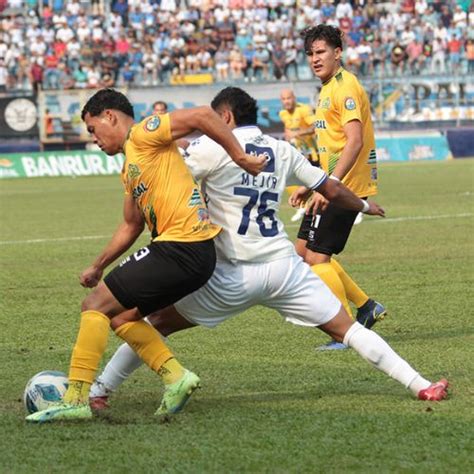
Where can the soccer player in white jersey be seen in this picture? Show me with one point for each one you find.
(257, 263)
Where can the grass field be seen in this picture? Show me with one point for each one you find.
(269, 402)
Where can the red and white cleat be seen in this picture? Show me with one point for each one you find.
(435, 392)
(99, 403)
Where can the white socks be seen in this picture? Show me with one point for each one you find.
(123, 363)
(375, 350)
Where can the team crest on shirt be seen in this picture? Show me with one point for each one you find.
(152, 123)
(133, 171)
(326, 103)
(349, 103)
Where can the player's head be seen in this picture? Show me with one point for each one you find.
(108, 115)
(323, 47)
(235, 105)
(160, 107)
(288, 99)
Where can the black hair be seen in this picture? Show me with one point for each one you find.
(107, 99)
(160, 102)
(332, 35)
(243, 106)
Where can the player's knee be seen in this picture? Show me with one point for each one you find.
(91, 302)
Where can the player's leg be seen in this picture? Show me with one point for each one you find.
(125, 360)
(304, 300)
(369, 311)
(89, 347)
(218, 300)
(153, 277)
(163, 275)
(370, 346)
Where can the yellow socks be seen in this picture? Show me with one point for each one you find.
(328, 274)
(147, 343)
(171, 371)
(353, 291)
(90, 346)
(77, 392)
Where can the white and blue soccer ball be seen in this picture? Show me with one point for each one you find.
(44, 389)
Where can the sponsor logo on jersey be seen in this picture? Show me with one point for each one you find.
(203, 215)
(195, 199)
(152, 123)
(133, 171)
(349, 103)
(372, 157)
(326, 103)
(373, 174)
(320, 124)
(139, 190)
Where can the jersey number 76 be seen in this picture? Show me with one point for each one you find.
(262, 211)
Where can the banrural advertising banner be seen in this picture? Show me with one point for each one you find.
(65, 163)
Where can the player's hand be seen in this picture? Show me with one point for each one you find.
(253, 164)
(375, 209)
(317, 203)
(299, 197)
(90, 277)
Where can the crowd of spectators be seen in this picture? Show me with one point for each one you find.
(85, 44)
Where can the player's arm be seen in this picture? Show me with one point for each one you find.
(337, 193)
(354, 144)
(206, 120)
(125, 235)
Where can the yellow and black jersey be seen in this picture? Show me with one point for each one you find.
(300, 118)
(342, 99)
(155, 174)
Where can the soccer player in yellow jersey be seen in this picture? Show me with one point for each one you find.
(299, 131)
(346, 150)
(161, 192)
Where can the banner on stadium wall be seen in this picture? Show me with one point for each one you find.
(74, 163)
(395, 100)
(412, 148)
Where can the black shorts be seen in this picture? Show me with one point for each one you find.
(328, 231)
(161, 273)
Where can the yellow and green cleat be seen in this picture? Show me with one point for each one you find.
(177, 394)
(62, 411)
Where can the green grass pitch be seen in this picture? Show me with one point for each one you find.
(269, 402)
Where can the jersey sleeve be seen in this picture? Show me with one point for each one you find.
(308, 115)
(302, 172)
(349, 102)
(201, 156)
(153, 131)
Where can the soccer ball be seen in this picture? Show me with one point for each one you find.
(44, 389)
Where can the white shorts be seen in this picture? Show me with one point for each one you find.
(287, 285)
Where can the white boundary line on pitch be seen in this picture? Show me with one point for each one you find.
(97, 237)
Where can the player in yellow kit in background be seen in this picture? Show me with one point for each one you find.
(346, 150)
(299, 131)
(161, 192)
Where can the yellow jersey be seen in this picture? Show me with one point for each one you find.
(300, 118)
(155, 174)
(342, 99)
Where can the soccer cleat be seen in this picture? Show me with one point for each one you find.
(298, 215)
(99, 403)
(177, 394)
(332, 346)
(63, 411)
(435, 392)
(370, 313)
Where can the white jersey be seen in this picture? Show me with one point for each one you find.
(246, 206)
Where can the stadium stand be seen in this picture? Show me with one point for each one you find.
(87, 44)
